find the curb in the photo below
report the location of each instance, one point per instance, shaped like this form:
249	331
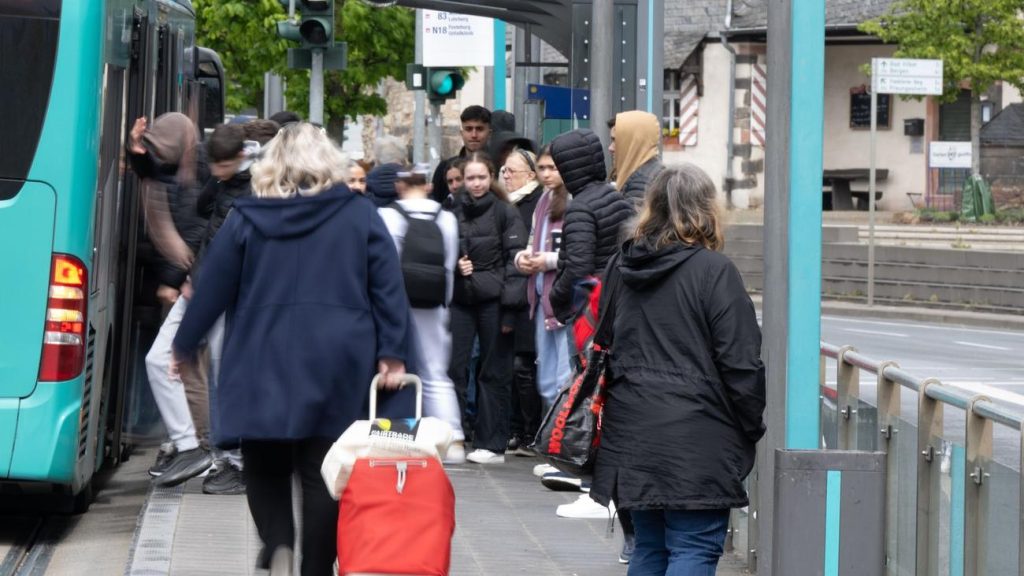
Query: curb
916	314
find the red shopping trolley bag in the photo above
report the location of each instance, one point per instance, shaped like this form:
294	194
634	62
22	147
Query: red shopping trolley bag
396	515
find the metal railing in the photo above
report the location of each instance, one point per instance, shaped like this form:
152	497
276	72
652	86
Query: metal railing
917	523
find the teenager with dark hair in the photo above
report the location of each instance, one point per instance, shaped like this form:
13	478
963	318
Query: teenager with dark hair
476	132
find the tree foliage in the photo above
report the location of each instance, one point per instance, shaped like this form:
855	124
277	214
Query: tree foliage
380	43
243	33
980	42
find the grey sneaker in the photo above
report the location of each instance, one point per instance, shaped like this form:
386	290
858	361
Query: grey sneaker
628	546
163	459
185	465
224	481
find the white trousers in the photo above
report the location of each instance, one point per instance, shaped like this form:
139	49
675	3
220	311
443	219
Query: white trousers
170	394
435	346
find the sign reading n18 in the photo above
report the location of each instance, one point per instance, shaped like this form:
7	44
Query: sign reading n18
455	40
906	76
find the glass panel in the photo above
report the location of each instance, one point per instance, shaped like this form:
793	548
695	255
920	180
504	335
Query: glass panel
902	501
867	427
1000	504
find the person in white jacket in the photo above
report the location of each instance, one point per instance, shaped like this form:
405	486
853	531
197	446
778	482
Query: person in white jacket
434	340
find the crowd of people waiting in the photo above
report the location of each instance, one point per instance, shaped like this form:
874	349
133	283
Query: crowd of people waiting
291	275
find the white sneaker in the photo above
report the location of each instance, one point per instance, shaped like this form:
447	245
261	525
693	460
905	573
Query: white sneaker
541	469
481	456
586	508
456	453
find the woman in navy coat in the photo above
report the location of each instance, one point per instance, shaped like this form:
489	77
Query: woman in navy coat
315	301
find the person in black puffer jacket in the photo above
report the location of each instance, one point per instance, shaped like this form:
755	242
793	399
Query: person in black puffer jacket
590	235
488	294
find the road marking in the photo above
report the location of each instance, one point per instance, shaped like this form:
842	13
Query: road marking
985	346
876	332
927	325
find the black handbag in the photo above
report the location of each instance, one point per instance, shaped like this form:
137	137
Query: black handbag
570	433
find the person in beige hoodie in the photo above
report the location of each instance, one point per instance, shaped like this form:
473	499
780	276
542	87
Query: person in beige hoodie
635	139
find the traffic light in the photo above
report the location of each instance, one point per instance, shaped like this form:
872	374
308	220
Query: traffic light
316	28
443	83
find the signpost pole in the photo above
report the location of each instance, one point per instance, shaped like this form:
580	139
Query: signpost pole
419	116
871	189
316	88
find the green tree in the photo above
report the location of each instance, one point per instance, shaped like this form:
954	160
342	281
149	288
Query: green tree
380	43
979	41
243	33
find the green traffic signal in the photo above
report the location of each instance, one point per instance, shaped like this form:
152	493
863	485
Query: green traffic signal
443	83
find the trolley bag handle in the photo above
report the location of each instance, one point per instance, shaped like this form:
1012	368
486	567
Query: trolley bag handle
406	380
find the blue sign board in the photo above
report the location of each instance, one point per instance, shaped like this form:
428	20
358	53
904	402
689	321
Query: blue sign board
561	103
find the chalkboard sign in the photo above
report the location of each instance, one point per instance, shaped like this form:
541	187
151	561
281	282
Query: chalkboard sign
860	110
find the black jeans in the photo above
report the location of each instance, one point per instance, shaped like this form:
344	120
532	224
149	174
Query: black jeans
526	409
268	484
493	381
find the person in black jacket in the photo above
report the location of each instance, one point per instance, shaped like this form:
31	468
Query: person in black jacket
230	155
590	235
476	132
488	294
686	388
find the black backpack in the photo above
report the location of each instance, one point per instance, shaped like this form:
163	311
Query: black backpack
426	279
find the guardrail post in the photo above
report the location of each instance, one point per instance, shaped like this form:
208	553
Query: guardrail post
888	421
979	454
848	391
1020	534
929	424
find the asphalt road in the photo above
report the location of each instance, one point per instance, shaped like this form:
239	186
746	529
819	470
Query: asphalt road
981	361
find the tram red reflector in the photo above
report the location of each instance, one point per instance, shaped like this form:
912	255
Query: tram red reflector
64	335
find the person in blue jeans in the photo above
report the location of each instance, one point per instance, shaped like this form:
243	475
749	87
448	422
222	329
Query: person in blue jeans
686	385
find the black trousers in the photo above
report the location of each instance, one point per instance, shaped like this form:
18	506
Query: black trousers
268	484
526	404
494	379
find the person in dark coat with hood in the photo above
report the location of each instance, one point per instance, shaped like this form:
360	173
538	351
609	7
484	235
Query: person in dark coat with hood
686	390
590	234
316	305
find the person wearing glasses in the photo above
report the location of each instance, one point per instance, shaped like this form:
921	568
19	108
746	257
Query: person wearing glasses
519	173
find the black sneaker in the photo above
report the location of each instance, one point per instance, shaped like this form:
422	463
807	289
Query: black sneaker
163	459
185	465
628	546
224	481
513	444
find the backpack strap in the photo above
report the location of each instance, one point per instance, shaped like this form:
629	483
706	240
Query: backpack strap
398	208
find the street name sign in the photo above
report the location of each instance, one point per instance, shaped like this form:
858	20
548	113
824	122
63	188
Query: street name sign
456	40
949	155
906	76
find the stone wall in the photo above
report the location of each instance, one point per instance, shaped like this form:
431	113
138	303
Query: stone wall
1003	168
399	120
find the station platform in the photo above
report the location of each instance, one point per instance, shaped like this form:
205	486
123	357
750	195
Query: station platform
505	525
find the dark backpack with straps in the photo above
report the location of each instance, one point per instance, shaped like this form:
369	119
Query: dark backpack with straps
426	279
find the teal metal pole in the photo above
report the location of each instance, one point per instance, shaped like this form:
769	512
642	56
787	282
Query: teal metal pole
805	164
500	102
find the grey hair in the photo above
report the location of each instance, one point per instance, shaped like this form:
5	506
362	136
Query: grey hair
390	150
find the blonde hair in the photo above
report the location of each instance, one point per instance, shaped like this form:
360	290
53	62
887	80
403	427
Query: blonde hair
680	206
301	160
